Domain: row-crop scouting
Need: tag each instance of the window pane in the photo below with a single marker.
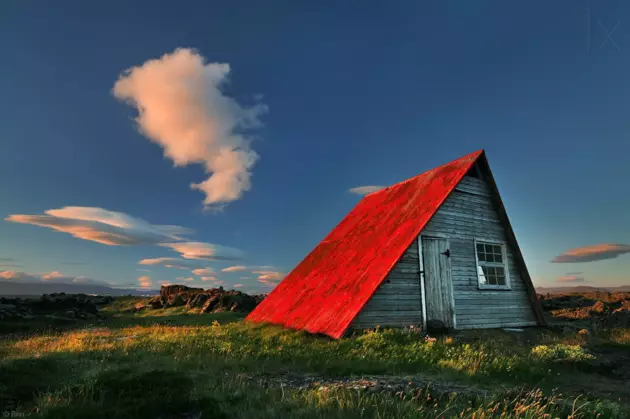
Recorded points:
(482, 275)
(498, 257)
(490, 257)
(488, 248)
(500, 276)
(482, 257)
(479, 247)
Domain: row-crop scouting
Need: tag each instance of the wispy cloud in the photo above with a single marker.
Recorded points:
(182, 108)
(103, 226)
(364, 190)
(177, 263)
(238, 268)
(269, 275)
(186, 279)
(203, 272)
(238, 285)
(570, 278)
(592, 253)
(205, 251)
(242, 268)
(52, 277)
(210, 278)
(7, 260)
(145, 281)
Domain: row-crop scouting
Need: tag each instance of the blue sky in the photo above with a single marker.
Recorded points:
(316, 98)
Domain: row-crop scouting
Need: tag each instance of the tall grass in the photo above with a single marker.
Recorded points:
(181, 365)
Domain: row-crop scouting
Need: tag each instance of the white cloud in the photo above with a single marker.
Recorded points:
(364, 190)
(209, 278)
(268, 283)
(203, 272)
(103, 226)
(182, 108)
(205, 251)
(145, 281)
(241, 268)
(234, 269)
(52, 277)
(178, 263)
(269, 275)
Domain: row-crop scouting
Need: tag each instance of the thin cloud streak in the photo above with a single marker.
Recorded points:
(592, 253)
(364, 190)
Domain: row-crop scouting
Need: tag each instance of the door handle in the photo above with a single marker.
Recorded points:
(447, 253)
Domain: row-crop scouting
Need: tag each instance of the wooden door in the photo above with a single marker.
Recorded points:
(438, 287)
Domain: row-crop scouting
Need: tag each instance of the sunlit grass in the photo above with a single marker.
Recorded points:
(131, 365)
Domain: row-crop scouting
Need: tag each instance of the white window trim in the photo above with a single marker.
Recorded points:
(506, 268)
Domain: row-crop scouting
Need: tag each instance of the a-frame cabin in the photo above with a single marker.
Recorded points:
(438, 246)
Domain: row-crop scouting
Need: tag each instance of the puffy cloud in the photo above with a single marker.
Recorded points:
(592, 253)
(182, 108)
(102, 226)
(203, 272)
(364, 190)
(52, 277)
(206, 251)
(570, 278)
(145, 281)
(177, 263)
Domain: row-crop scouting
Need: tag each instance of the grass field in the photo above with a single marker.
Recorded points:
(170, 363)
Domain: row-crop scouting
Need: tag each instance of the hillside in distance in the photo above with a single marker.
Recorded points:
(580, 289)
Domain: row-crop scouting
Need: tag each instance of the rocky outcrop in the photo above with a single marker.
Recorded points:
(75, 306)
(612, 310)
(206, 301)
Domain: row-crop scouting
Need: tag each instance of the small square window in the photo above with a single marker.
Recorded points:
(491, 266)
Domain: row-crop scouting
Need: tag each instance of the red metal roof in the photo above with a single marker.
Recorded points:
(325, 292)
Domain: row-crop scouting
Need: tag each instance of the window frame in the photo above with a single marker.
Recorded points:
(505, 264)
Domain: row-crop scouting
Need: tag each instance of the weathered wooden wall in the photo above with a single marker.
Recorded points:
(467, 214)
(397, 302)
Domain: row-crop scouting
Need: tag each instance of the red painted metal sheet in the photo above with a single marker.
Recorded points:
(325, 292)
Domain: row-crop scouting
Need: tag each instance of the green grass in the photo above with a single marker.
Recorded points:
(173, 363)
